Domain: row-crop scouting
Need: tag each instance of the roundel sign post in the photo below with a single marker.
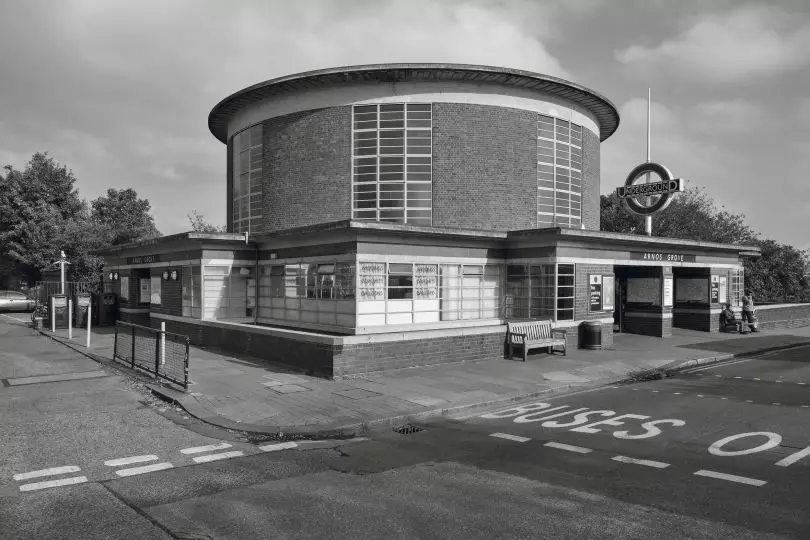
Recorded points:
(649, 198)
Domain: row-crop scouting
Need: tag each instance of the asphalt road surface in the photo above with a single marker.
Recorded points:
(717, 453)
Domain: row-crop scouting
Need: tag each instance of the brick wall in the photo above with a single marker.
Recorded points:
(307, 168)
(784, 317)
(484, 167)
(590, 180)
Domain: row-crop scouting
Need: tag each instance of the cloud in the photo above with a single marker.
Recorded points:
(747, 41)
(120, 91)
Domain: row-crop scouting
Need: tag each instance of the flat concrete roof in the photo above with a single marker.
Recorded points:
(604, 110)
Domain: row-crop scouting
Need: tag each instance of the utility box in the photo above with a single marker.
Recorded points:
(107, 309)
(58, 308)
(81, 304)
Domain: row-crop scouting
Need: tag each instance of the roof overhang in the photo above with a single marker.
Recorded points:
(604, 111)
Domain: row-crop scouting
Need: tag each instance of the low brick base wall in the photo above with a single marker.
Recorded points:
(783, 316)
(141, 319)
(345, 356)
(656, 325)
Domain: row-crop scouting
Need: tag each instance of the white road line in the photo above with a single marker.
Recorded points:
(731, 477)
(775, 403)
(646, 462)
(54, 483)
(209, 448)
(655, 391)
(214, 457)
(805, 406)
(801, 383)
(738, 377)
(47, 472)
(793, 458)
(570, 448)
(129, 460)
(724, 398)
(700, 395)
(749, 400)
(757, 379)
(145, 469)
(276, 447)
(510, 437)
(677, 393)
(715, 366)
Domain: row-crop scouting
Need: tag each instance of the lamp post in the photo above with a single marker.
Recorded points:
(62, 262)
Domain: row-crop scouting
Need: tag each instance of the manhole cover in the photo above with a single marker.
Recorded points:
(407, 429)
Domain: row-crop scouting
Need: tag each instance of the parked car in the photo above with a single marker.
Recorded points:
(15, 301)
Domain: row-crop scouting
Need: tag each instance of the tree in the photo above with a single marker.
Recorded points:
(780, 274)
(124, 216)
(198, 224)
(35, 205)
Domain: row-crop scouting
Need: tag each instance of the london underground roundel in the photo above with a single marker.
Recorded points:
(649, 198)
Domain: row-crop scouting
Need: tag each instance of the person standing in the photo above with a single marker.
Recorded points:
(748, 309)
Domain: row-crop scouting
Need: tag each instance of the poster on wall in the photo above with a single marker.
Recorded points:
(596, 292)
(668, 291)
(154, 297)
(146, 288)
(715, 289)
(124, 288)
(608, 293)
(723, 289)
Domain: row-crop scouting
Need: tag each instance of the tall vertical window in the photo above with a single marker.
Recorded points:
(540, 291)
(247, 180)
(559, 172)
(192, 291)
(392, 163)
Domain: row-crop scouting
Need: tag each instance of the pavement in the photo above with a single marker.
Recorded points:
(251, 395)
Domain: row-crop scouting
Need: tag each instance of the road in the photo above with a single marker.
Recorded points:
(716, 453)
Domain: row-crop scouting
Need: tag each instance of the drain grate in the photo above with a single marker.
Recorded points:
(408, 429)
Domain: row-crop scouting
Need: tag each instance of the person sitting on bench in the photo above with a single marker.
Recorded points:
(729, 321)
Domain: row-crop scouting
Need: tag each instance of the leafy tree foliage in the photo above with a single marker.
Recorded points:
(780, 274)
(41, 213)
(126, 217)
(198, 224)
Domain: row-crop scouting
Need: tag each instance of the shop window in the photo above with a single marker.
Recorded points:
(192, 291)
(344, 280)
(400, 281)
(124, 287)
(226, 292)
(372, 281)
(565, 292)
(736, 291)
(542, 291)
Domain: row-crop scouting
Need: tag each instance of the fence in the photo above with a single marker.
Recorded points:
(163, 354)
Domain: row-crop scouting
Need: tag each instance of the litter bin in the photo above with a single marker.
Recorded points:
(80, 304)
(590, 335)
(58, 307)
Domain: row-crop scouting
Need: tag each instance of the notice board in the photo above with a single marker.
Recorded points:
(595, 281)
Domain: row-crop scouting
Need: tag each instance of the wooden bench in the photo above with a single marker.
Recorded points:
(534, 334)
(736, 325)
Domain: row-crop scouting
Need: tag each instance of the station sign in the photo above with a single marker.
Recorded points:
(649, 198)
(659, 256)
(143, 259)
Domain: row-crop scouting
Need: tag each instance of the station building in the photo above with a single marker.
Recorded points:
(387, 216)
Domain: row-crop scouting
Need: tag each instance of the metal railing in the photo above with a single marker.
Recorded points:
(162, 354)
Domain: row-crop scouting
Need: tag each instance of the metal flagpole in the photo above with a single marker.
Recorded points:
(648, 219)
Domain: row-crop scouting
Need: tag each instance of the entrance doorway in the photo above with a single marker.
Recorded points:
(619, 301)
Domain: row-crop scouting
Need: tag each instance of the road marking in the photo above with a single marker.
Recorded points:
(805, 406)
(773, 440)
(757, 379)
(749, 401)
(718, 365)
(655, 391)
(645, 462)
(54, 483)
(279, 446)
(47, 472)
(779, 381)
(738, 377)
(145, 469)
(129, 460)
(677, 393)
(700, 395)
(569, 447)
(209, 448)
(775, 403)
(509, 437)
(724, 398)
(801, 383)
(214, 457)
(731, 477)
(793, 458)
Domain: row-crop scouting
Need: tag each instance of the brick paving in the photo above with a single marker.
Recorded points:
(247, 393)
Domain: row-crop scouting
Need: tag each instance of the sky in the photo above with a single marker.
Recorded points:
(120, 91)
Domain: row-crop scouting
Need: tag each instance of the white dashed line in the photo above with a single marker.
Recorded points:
(700, 395)
(677, 393)
(724, 397)
(47, 472)
(738, 377)
(757, 378)
(130, 460)
(655, 391)
(570, 448)
(805, 406)
(793, 458)
(509, 437)
(801, 383)
(215, 457)
(645, 462)
(279, 446)
(145, 469)
(209, 448)
(54, 483)
(749, 400)
(731, 477)
(775, 403)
